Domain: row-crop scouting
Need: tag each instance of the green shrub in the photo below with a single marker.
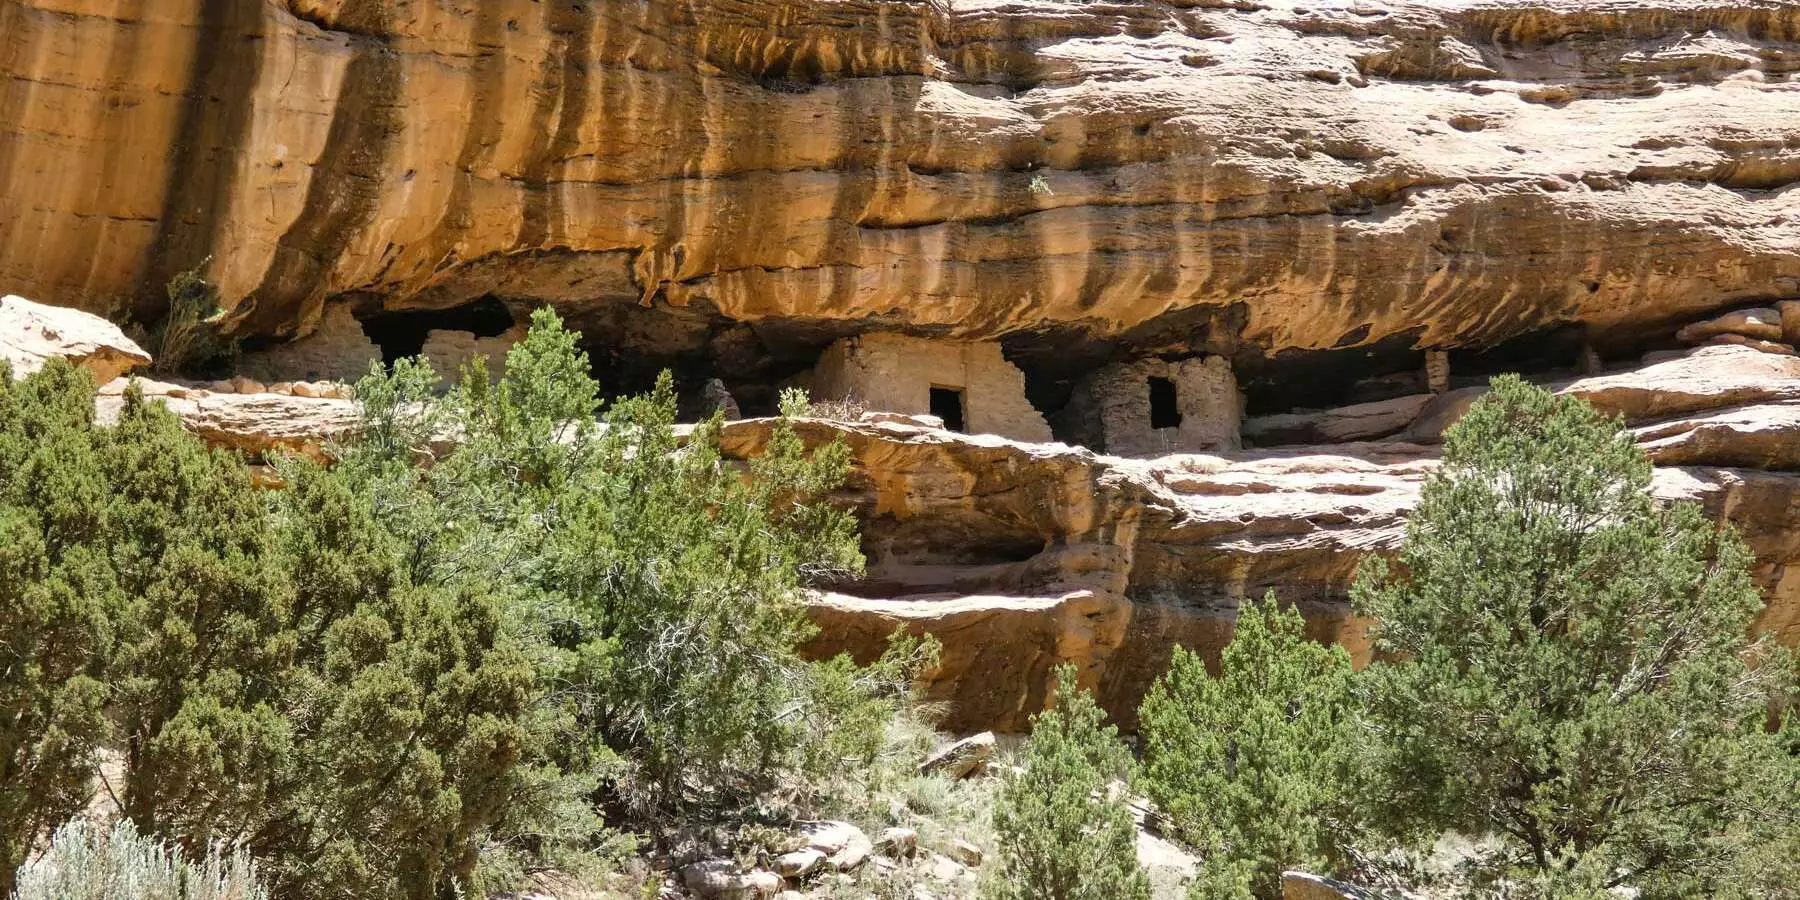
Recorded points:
(411, 674)
(85, 862)
(1250, 766)
(186, 337)
(665, 583)
(276, 677)
(1567, 663)
(1063, 833)
(59, 607)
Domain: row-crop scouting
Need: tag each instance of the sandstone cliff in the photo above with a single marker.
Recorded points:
(1241, 176)
(1335, 215)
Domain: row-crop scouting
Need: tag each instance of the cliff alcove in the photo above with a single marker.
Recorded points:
(1321, 227)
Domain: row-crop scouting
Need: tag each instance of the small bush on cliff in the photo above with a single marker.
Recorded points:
(1063, 832)
(1251, 766)
(85, 862)
(1568, 668)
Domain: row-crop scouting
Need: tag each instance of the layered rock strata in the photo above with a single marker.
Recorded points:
(1239, 177)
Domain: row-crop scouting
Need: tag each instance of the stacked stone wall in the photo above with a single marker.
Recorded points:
(895, 373)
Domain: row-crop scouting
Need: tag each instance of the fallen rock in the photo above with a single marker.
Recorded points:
(916, 420)
(1302, 886)
(719, 879)
(1757, 344)
(799, 863)
(965, 853)
(245, 385)
(960, 759)
(1358, 422)
(1437, 416)
(32, 334)
(844, 845)
(943, 868)
(1764, 436)
(1710, 377)
(1790, 320)
(1715, 377)
(253, 424)
(1761, 323)
(899, 843)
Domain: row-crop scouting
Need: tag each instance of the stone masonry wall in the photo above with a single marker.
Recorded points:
(1113, 405)
(895, 373)
(448, 350)
(337, 351)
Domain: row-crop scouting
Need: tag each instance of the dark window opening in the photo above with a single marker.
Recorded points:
(947, 404)
(1165, 412)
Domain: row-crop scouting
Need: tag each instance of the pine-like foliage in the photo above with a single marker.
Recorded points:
(84, 862)
(1250, 766)
(275, 679)
(1063, 833)
(1567, 662)
(664, 579)
(58, 604)
(142, 606)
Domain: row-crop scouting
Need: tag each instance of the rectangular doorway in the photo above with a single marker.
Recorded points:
(947, 404)
(1165, 408)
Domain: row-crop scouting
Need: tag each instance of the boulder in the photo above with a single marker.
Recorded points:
(1302, 886)
(1358, 422)
(1760, 323)
(965, 853)
(844, 845)
(799, 863)
(898, 843)
(1763, 436)
(1758, 344)
(719, 879)
(1438, 415)
(916, 420)
(1706, 378)
(1790, 320)
(32, 334)
(960, 759)
(253, 424)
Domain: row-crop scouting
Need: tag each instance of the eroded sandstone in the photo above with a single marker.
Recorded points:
(1131, 178)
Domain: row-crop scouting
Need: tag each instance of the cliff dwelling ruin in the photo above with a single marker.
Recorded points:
(969, 385)
(1134, 228)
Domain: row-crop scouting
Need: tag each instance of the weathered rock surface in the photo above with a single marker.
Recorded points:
(1275, 174)
(253, 424)
(960, 759)
(1021, 556)
(31, 334)
(1306, 886)
(719, 879)
(844, 845)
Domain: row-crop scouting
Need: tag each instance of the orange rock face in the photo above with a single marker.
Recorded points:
(1271, 174)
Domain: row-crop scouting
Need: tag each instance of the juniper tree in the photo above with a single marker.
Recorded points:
(59, 604)
(1251, 766)
(1063, 833)
(1567, 662)
(667, 578)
